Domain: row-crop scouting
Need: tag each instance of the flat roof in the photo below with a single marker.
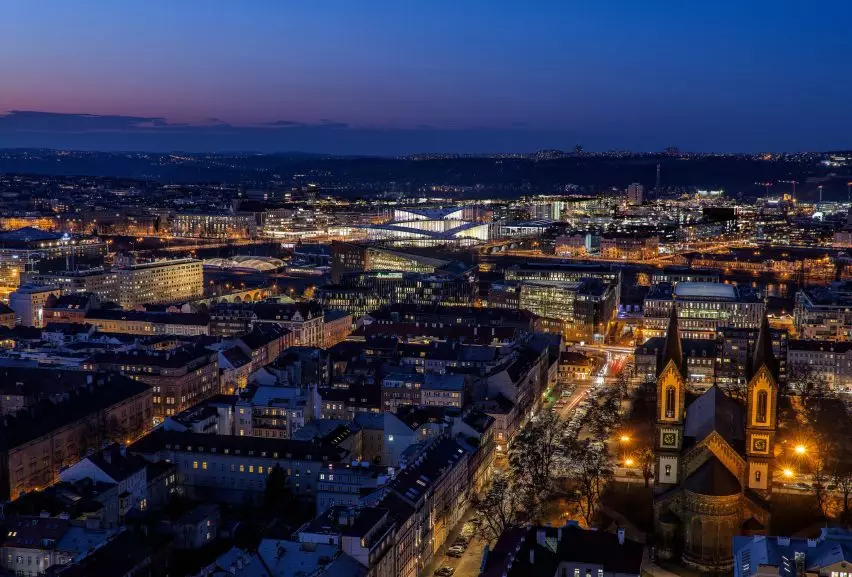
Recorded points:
(706, 290)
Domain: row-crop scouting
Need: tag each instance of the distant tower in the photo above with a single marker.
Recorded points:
(657, 187)
(635, 193)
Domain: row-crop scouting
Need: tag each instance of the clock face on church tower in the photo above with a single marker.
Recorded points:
(669, 439)
(759, 445)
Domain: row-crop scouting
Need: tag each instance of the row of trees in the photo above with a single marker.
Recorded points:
(542, 452)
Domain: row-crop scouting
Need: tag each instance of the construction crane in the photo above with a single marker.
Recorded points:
(794, 183)
(766, 186)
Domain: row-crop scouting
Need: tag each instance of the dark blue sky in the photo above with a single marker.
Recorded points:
(386, 77)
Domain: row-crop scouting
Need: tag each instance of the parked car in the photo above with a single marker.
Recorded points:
(455, 551)
(444, 571)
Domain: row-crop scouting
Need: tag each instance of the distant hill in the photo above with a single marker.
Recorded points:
(502, 176)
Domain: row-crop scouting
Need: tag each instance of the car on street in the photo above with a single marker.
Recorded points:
(445, 571)
(455, 551)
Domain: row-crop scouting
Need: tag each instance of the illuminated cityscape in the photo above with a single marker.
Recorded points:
(421, 292)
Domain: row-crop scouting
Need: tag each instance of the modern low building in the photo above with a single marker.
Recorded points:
(702, 308)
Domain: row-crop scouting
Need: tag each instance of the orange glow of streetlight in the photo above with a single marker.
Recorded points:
(787, 473)
(628, 462)
(624, 439)
(800, 449)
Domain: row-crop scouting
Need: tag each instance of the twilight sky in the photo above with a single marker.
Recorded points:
(398, 76)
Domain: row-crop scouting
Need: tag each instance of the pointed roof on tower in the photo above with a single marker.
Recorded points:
(672, 350)
(763, 352)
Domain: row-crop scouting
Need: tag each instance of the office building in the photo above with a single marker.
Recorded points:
(702, 308)
(583, 307)
(98, 281)
(824, 313)
(218, 225)
(158, 282)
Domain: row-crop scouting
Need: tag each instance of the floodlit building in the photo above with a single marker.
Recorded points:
(428, 227)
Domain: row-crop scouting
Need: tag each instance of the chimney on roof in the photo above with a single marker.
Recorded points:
(621, 535)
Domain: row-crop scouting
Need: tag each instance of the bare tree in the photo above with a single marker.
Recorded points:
(842, 478)
(646, 460)
(532, 458)
(496, 509)
(821, 477)
(591, 470)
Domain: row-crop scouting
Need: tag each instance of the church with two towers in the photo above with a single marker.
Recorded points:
(714, 458)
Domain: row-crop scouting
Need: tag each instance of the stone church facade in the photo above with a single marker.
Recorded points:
(714, 459)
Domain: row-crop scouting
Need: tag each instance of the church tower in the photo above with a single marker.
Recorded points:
(761, 407)
(671, 403)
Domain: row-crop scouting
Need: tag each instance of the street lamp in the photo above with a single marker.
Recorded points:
(800, 449)
(628, 462)
(624, 439)
(787, 473)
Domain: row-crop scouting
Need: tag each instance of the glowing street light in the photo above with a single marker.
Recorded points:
(628, 462)
(787, 473)
(800, 449)
(624, 439)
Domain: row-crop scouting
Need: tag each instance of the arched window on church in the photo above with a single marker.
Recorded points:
(762, 406)
(670, 402)
(757, 476)
(668, 470)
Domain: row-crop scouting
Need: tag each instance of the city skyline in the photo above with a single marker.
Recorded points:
(388, 79)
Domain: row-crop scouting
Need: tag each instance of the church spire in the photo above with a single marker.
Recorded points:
(763, 353)
(673, 350)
